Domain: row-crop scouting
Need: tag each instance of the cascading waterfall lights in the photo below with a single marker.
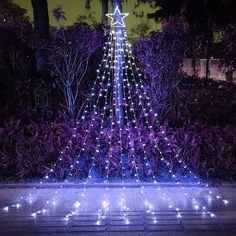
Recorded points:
(117, 77)
(148, 112)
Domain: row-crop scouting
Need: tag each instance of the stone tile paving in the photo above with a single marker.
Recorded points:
(165, 211)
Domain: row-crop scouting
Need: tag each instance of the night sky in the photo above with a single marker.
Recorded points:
(74, 8)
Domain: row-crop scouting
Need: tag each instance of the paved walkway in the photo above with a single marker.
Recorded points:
(152, 210)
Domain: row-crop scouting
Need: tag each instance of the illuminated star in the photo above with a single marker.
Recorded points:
(117, 18)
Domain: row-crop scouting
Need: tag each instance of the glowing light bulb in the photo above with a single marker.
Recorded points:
(6, 208)
(127, 221)
(179, 216)
(77, 204)
(105, 204)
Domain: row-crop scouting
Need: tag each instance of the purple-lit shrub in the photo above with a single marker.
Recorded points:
(161, 57)
(204, 101)
(29, 149)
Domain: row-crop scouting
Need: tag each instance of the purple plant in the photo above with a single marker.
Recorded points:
(58, 13)
(13, 19)
(30, 149)
(161, 57)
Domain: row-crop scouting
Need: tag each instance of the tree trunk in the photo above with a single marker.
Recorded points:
(118, 83)
(195, 65)
(209, 39)
(70, 101)
(207, 67)
(41, 28)
(104, 11)
(229, 76)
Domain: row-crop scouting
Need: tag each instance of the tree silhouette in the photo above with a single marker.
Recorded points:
(41, 28)
(205, 17)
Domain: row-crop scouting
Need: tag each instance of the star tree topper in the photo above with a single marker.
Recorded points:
(117, 18)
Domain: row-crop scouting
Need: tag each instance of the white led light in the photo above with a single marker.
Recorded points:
(225, 201)
(77, 204)
(127, 221)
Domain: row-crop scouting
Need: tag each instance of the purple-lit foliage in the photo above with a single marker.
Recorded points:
(200, 114)
(161, 57)
(13, 19)
(204, 101)
(28, 144)
(16, 59)
(29, 147)
(29, 150)
(58, 13)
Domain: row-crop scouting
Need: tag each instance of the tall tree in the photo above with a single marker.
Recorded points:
(41, 28)
(69, 53)
(205, 17)
(161, 57)
(105, 4)
(104, 11)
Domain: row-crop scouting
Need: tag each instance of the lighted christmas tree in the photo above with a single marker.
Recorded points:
(118, 135)
(122, 138)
